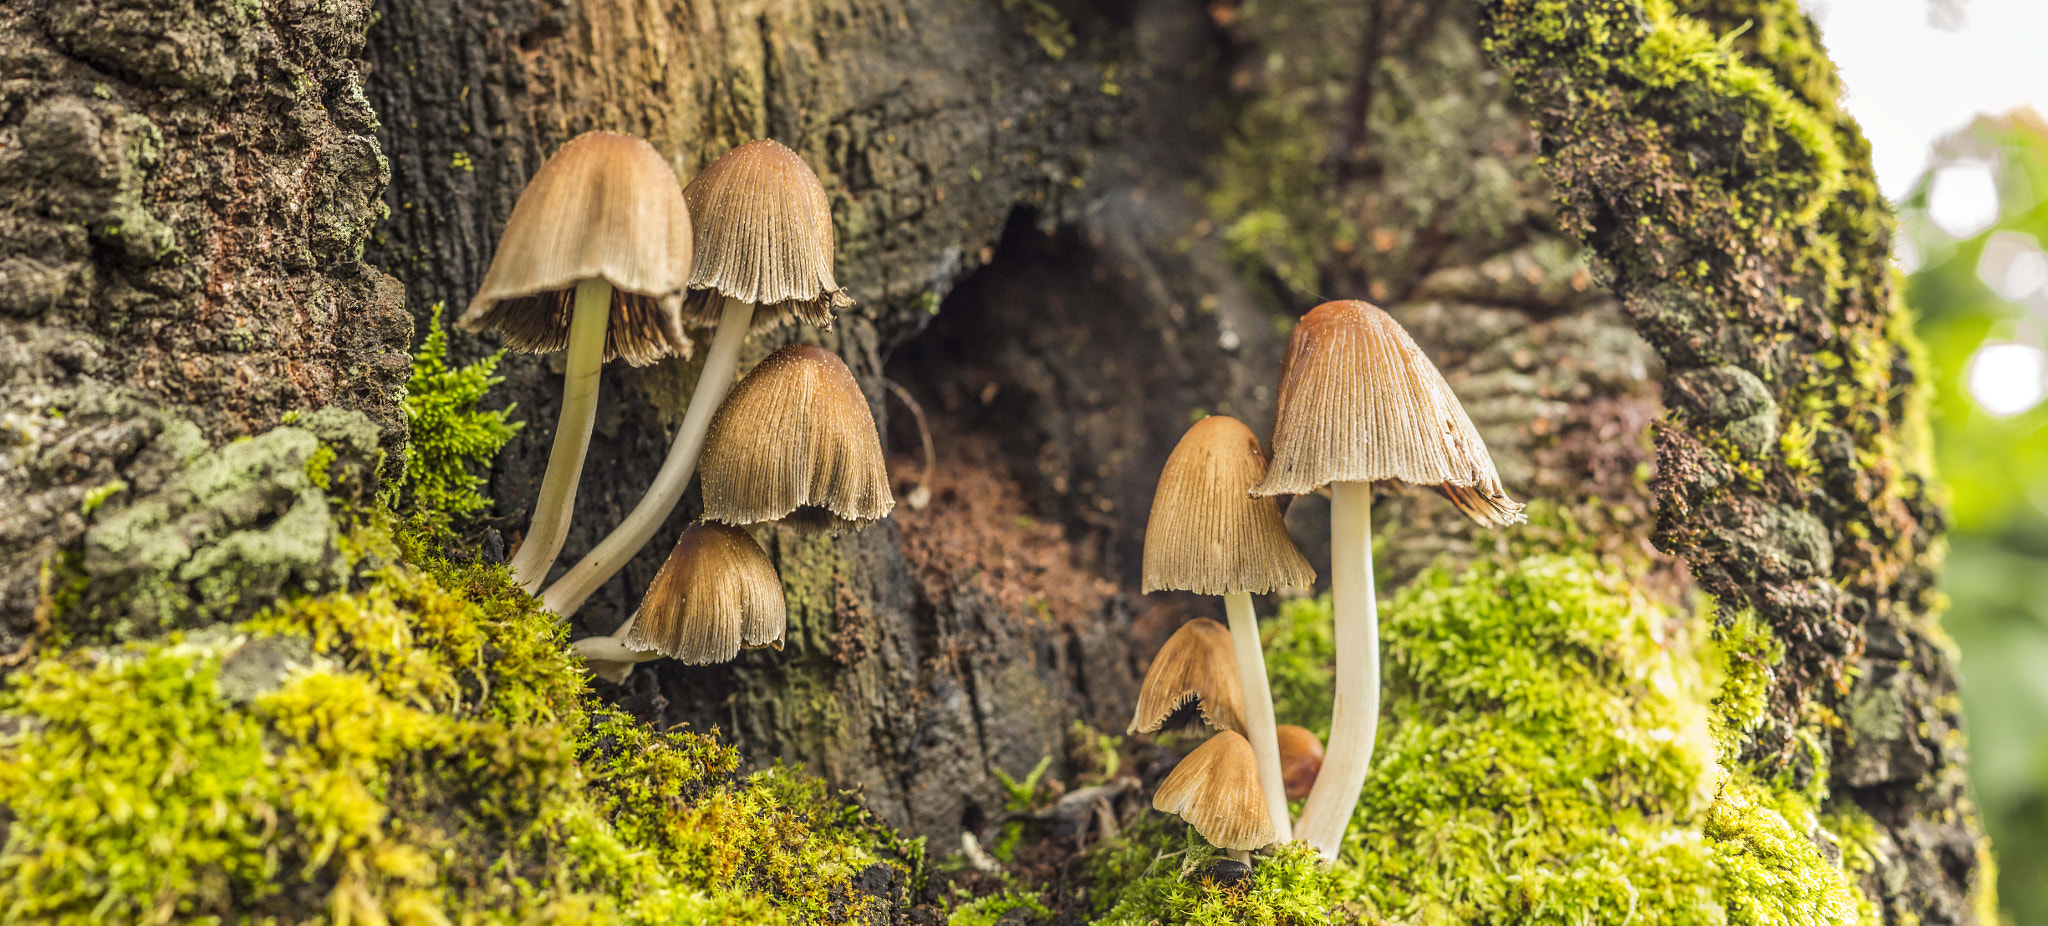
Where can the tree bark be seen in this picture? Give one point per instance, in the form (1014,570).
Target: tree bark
(1070,228)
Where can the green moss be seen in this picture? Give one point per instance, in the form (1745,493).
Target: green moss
(991,910)
(1557,748)
(1159,872)
(419,750)
(99,495)
(449,436)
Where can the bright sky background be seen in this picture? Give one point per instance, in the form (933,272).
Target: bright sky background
(1910,82)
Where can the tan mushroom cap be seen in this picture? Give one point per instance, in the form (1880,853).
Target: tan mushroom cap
(795,440)
(1359,402)
(1216,789)
(716,593)
(606,206)
(1196,664)
(764,237)
(1301,758)
(1206,534)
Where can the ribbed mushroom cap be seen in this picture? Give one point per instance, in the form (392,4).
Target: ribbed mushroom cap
(764,236)
(1206,534)
(1216,789)
(1301,759)
(1196,663)
(716,593)
(1359,402)
(606,206)
(795,440)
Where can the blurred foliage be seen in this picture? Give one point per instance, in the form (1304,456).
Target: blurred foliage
(1996,469)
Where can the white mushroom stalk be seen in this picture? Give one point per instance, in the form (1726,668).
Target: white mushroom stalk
(1355,721)
(585,361)
(1258,708)
(626,540)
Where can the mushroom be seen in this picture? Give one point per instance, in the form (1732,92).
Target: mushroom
(1207,535)
(1216,790)
(764,257)
(796,441)
(1194,665)
(1360,403)
(716,594)
(594,260)
(1301,757)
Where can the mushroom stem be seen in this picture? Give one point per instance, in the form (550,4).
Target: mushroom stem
(1356,718)
(1243,856)
(611,553)
(585,360)
(1258,707)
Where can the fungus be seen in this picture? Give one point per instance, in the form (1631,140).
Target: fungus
(1208,535)
(1360,403)
(1216,790)
(1194,665)
(716,594)
(764,257)
(594,260)
(796,441)
(1301,757)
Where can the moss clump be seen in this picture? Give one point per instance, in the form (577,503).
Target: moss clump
(416,751)
(448,433)
(1160,873)
(1552,753)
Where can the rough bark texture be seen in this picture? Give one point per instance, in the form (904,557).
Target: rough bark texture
(1070,228)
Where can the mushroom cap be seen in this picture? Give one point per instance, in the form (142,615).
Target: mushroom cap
(1206,534)
(1196,663)
(764,237)
(606,206)
(796,437)
(1359,402)
(1216,789)
(716,593)
(1301,759)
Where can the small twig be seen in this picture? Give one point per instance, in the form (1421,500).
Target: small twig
(921,493)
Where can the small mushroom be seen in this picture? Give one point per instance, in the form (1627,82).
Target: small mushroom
(716,594)
(796,441)
(1216,790)
(594,261)
(1301,757)
(1208,535)
(764,257)
(1196,664)
(1360,403)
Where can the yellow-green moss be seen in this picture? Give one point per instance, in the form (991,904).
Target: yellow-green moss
(418,751)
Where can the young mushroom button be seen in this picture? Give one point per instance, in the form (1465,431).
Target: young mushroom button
(1208,535)
(594,260)
(716,594)
(763,258)
(1360,403)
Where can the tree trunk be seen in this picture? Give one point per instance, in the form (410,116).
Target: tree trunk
(1070,229)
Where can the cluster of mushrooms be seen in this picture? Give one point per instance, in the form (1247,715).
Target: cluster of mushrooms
(1359,403)
(597,261)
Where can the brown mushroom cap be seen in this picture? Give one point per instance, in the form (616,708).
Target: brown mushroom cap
(764,237)
(1359,402)
(716,593)
(606,206)
(1197,663)
(1206,534)
(1301,758)
(796,438)
(1216,789)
